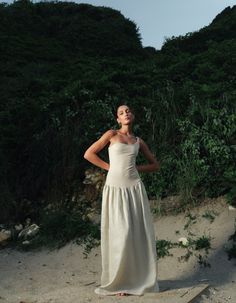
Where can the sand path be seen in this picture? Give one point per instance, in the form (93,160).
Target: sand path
(65,276)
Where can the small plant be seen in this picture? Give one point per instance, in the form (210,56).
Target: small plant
(192,245)
(209,215)
(231,251)
(157,210)
(230,176)
(162,248)
(88,243)
(191,220)
(185,257)
(202,243)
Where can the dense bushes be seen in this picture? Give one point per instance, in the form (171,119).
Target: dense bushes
(206,149)
(66,70)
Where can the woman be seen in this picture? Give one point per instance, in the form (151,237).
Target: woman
(127,233)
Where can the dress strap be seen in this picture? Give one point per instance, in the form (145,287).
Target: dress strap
(137,138)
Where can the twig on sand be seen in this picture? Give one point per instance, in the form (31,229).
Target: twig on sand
(89,283)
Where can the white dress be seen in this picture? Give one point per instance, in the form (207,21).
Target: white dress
(129,260)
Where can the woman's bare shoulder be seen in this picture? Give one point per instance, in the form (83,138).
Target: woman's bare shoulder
(109,134)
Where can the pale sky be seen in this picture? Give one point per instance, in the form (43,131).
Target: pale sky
(157,19)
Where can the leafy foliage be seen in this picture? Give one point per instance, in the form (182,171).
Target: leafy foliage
(231,249)
(67,66)
(60,226)
(162,248)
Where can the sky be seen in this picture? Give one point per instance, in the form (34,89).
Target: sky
(161,19)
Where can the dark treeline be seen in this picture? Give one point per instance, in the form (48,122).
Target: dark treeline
(64,69)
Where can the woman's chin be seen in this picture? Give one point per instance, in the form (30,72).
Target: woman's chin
(128,122)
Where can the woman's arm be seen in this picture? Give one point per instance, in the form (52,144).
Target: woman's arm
(153,165)
(91,153)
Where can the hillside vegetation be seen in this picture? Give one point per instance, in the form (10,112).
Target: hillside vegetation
(64,69)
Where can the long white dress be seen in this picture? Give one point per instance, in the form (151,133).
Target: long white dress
(129,260)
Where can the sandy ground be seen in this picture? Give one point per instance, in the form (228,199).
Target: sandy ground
(65,275)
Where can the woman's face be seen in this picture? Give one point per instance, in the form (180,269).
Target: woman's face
(124,115)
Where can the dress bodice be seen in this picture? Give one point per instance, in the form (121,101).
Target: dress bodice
(122,171)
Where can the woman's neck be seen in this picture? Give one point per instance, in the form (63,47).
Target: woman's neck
(126,131)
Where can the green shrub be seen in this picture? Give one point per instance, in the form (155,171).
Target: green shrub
(230,184)
(205,151)
(231,250)
(162,248)
(58,227)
